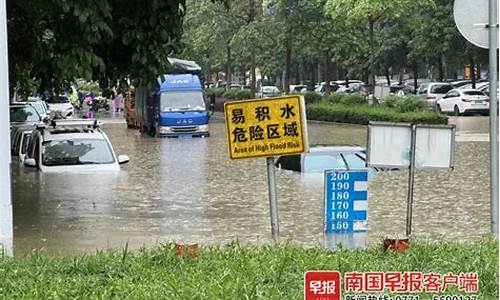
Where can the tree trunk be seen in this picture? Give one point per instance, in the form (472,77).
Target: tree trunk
(327,74)
(372,56)
(473,71)
(288,63)
(313,77)
(251,18)
(415,77)
(440,68)
(387,76)
(229,78)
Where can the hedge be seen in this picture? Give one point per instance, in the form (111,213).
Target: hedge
(216,92)
(362,114)
(405,104)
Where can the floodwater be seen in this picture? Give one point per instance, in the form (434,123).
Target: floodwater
(188,190)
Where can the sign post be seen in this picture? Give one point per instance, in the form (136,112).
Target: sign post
(403,145)
(493,78)
(266,128)
(273,199)
(346,208)
(411,180)
(477,21)
(6,229)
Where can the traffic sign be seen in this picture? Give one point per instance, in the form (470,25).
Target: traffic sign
(266,127)
(471,18)
(346,201)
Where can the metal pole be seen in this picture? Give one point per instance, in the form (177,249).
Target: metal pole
(411,178)
(273,202)
(493,41)
(6,230)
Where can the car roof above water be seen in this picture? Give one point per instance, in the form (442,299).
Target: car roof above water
(335,148)
(70,133)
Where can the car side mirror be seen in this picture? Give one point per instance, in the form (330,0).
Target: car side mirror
(30,162)
(123,159)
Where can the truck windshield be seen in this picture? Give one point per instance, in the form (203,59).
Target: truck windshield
(182,101)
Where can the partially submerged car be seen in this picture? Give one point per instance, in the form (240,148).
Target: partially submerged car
(72,146)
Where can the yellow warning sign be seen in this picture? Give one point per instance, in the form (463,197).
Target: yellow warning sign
(266,127)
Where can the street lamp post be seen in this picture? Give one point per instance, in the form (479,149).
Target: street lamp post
(6,230)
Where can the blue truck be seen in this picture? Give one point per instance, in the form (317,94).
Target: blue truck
(176,107)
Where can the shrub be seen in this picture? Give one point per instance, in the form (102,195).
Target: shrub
(354,99)
(237,94)
(346,98)
(334,98)
(362,114)
(405,104)
(216,92)
(311,97)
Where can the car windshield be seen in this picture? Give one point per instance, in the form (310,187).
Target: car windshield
(354,160)
(474,93)
(182,101)
(441,89)
(76,152)
(23,114)
(318,163)
(59,99)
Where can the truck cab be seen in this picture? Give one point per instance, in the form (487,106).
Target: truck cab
(180,109)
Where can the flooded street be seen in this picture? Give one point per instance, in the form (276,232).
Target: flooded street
(188,190)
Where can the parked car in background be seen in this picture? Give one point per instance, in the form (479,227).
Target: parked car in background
(61,104)
(268,91)
(479,85)
(297,88)
(464,101)
(353,86)
(433,91)
(23,114)
(41,107)
(235,86)
(72,146)
(458,83)
(20,139)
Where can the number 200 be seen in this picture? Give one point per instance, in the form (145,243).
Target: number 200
(340,176)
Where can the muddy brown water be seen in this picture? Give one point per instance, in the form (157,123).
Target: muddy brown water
(188,190)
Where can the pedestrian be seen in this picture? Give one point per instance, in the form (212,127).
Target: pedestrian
(117,101)
(87,107)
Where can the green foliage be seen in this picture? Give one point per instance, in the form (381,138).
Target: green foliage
(237,94)
(344,98)
(405,103)
(311,97)
(93,39)
(362,114)
(231,271)
(90,87)
(216,92)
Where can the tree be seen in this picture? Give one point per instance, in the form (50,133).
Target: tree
(371,12)
(52,41)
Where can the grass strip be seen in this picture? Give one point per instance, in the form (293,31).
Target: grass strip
(228,272)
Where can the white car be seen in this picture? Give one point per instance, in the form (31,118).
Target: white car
(268,91)
(61,104)
(20,140)
(433,91)
(464,101)
(76,146)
